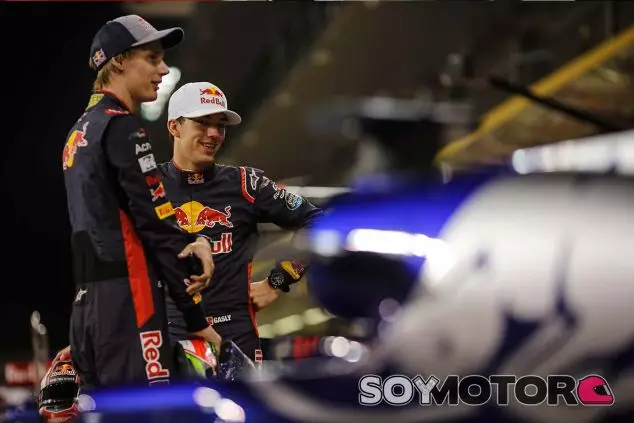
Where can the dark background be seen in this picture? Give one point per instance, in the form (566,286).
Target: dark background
(45,89)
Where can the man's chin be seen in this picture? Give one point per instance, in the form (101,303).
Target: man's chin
(207,160)
(150,98)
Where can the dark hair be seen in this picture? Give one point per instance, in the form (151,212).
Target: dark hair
(180,121)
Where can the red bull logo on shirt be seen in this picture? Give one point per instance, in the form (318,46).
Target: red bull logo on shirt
(76,139)
(151,342)
(193,217)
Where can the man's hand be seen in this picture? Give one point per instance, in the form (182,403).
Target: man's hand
(201,249)
(263,294)
(209,334)
(63,355)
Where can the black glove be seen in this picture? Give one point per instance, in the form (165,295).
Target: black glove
(286,273)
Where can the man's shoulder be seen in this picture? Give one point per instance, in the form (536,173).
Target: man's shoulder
(101,108)
(237,170)
(241,173)
(248,178)
(101,105)
(100,119)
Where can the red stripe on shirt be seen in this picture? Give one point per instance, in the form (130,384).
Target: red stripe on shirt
(251,310)
(138,275)
(243,184)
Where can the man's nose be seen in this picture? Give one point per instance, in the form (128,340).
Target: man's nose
(214,131)
(163,68)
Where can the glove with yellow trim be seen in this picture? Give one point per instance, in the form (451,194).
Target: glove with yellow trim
(285,273)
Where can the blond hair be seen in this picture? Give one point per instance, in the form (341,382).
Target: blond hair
(104,74)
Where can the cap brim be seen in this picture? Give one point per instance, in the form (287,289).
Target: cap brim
(169,38)
(232,117)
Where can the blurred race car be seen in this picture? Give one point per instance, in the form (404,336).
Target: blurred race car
(518,286)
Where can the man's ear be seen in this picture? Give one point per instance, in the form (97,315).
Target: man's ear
(117,64)
(173,128)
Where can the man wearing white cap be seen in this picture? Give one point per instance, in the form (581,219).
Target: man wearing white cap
(225,203)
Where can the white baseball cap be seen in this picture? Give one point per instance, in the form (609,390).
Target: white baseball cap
(198,99)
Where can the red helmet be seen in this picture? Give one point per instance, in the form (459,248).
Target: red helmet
(59,391)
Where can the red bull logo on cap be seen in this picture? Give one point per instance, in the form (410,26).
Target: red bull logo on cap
(76,139)
(99,58)
(212,91)
(146,25)
(217,97)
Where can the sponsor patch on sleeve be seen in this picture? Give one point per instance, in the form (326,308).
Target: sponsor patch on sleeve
(152,180)
(147,163)
(293,201)
(142,148)
(76,140)
(158,192)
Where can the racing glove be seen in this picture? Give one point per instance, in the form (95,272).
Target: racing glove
(285,273)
